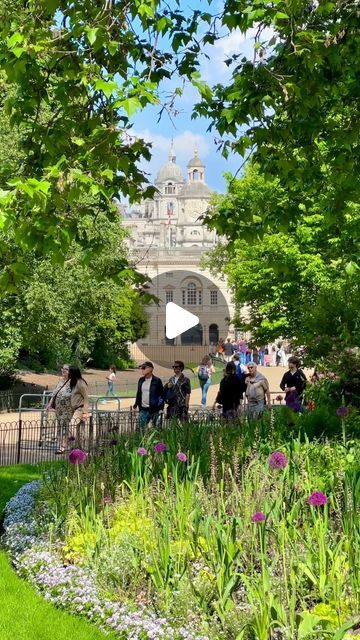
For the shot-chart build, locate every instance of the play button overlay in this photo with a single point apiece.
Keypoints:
(178, 320)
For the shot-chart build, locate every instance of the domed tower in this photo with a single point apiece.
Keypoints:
(194, 199)
(196, 169)
(170, 175)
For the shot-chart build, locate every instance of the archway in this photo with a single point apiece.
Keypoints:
(213, 333)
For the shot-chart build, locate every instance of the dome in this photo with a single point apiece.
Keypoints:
(195, 162)
(170, 172)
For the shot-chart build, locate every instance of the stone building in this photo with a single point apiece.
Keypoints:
(167, 240)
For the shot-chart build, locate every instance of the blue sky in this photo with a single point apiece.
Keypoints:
(187, 133)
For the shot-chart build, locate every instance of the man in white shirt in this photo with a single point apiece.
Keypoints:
(150, 395)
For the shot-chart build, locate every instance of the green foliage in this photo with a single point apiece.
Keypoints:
(295, 105)
(87, 309)
(76, 73)
(295, 573)
(292, 276)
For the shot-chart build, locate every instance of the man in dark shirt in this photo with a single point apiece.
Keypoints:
(293, 383)
(177, 393)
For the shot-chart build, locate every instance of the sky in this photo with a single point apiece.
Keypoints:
(187, 133)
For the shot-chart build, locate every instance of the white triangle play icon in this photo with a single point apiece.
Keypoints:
(178, 320)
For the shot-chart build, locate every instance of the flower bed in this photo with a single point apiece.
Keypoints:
(202, 533)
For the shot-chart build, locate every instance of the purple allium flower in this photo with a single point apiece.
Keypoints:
(77, 456)
(160, 447)
(278, 460)
(142, 451)
(181, 456)
(107, 499)
(258, 516)
(317, 499)
(342, 412)
(113, 442)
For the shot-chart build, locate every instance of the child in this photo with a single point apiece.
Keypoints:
(111, 379)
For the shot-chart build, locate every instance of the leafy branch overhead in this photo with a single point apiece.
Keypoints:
(75, 75)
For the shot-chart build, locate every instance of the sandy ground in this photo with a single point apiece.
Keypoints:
(127, 380)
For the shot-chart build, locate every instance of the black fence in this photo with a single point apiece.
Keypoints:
(32, 441)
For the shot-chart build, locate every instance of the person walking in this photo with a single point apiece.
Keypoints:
(257, 390)
(293, 383)
(230, 392)
(204, 371)
(60, 402)
(177, 393)
(111, 377)
(242, 349)
(241, 370)
(228, 350)
(79, 396)
(220, 349)
(149, 396)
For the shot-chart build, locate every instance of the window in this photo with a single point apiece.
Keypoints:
(191, 293)
(169, 296)
(170, 274)
(195, 233)
(169, 188)
(213, 297)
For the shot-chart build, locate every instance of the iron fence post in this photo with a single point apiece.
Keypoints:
(91, 432)
(18, 456)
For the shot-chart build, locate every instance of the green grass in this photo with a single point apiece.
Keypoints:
(24, 615)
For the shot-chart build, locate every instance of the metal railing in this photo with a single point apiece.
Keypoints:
(35, 437)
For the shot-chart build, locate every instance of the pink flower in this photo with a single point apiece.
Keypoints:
(107, 499)
(160, 447)
(317, 499)
(181, 456)
(278, 460)
(142, 451)
(342, 412)
(258, 516)
(77, 456)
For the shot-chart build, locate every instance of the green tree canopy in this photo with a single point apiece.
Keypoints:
(76, 73)
(295, 106)
(292, 280)
(74, 311)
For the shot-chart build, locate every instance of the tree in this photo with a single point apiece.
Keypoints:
(77, 73)
(294, 280)
(295, 107)
(75, 312)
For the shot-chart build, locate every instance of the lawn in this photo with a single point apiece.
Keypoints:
(24, 614)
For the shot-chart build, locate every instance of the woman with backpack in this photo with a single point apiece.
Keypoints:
(204, 371)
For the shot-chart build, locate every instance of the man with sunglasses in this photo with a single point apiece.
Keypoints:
(149, 397)
(177, 393)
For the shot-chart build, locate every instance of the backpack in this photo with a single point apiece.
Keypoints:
(203, 373)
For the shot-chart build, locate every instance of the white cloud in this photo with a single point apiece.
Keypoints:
(184, 146)
(235, 42)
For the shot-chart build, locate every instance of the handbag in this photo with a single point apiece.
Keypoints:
(52, 403)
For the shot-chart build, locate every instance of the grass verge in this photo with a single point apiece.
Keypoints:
(24, 615)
